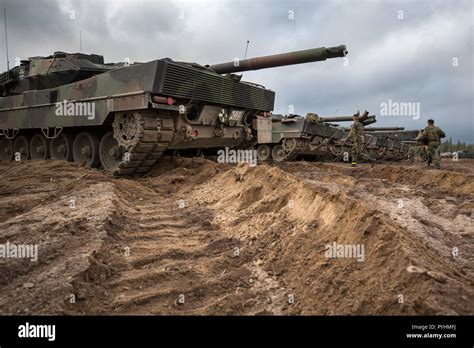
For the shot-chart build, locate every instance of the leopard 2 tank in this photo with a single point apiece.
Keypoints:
(122, 117)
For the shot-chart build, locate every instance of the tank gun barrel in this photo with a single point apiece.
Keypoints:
(383, 129)
(329, 119)
(336, 119)
(282, 59)
(365, 121)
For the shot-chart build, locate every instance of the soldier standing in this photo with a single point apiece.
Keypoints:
(356, 135)
(432, 135)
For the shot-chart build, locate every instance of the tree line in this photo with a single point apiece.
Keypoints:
(448, 146)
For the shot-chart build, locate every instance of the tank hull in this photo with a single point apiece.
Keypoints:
(197, 107)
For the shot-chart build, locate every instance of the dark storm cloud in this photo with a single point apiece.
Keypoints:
(34, 18)
(399, 50)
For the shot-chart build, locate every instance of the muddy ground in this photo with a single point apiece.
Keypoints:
(195, 237)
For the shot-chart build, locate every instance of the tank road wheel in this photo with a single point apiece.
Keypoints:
(21, 146)
(39, 147)
(292, 147)
(278, 153)
(61, 147)
(289, 144)
(6, 149)
(110, 152)
(264, 152)
(85, 149)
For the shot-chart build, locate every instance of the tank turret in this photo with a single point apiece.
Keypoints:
(61, 68)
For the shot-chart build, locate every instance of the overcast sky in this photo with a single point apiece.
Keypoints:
(403, 51)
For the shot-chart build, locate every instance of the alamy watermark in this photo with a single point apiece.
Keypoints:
(37, 331)
(335, 250)
(407, 109)
(84, 109)
(237, 156)
(20, 251)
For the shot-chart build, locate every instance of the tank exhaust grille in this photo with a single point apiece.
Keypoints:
(186, 82)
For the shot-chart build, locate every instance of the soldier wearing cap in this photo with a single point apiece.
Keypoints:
(432, 135)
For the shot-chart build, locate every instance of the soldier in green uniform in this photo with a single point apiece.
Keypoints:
(432, 135)
(356, 135)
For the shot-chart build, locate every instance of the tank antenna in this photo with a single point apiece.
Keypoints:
(80, 41)
(245, 54)
(246, 49)
(6, 39)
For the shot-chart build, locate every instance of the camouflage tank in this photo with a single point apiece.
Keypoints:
(398, 133)
(397, 141)
(122, 117)
(288, 137)
(388, 143)
(284, 138)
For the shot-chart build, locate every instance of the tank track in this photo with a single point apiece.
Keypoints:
(295, 149)
(155, 133)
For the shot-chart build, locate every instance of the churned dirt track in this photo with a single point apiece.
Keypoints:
(194, 237)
